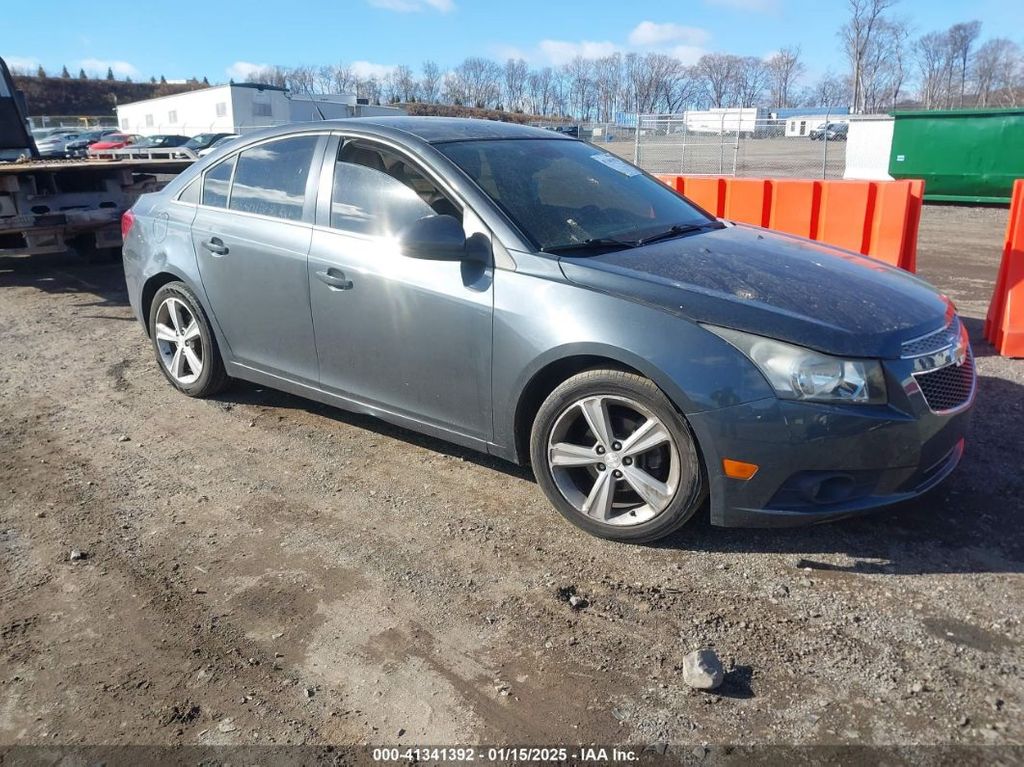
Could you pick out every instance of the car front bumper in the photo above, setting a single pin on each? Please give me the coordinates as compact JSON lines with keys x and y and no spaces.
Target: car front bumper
{"x":819,"y":462}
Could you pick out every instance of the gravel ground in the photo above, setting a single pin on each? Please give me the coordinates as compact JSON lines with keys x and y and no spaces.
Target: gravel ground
{"x":259,"y":569}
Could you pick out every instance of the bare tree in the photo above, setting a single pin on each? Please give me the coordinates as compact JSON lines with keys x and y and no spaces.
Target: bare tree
{"x":997,"y":68}
{"x":783,"y":70}
{"x":479,"y":79}
{"x":430,"y":82}
{"x":405,"y":84}
{"x":516,"y":71}
{"x":931,"y":53}
{"x":961,"y":39}
{"x":607,"y":85}
{"x":720,"y":72}
{"x":830,"y":90}
{"x":856,"y":35}
{"x":539,"y":90}
{"x":751,"y":81}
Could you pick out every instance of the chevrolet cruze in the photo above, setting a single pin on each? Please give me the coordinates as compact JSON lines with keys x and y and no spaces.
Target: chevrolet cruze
{"x":528,"y":295}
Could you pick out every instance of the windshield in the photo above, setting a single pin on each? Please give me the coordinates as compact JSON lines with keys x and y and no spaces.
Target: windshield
{"x":200,"y":141}
{"x":563,"y":194}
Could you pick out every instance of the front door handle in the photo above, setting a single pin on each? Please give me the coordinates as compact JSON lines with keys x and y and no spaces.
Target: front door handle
{"x":335,"y":279}
{"x":216,"y":245}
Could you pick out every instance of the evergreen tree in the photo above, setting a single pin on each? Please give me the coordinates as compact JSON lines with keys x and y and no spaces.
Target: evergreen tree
{"x":152,"y":80}
{"x":65,"y":73}
{"x":110,"y":73}
{"x":163,"y":80}
{"x":205,"y":81}
{"x":82,"y":75}
{"x":40,"y":72}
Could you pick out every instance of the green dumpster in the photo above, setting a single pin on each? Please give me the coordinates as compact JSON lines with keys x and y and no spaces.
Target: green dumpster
{"x":963,"y":155}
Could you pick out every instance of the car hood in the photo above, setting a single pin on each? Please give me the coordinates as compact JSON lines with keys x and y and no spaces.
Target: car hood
{"x":773,"y":285}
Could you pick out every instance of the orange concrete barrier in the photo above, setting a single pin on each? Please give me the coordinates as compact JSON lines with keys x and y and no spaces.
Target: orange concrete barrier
{"x":1004,"y":325}
{"x":876,"y":218}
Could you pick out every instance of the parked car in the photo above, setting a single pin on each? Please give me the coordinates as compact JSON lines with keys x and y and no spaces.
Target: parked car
{"x":830,"y":132}
{"x":534,"y":297}
{"x":161,"y":141}
{"x":78,"y":147}
{"x":41,"y":134}
{"x":55,"y":145}
{"x":204,"y":140}
{"x":217,"y":144}
{"x":113,"y":141}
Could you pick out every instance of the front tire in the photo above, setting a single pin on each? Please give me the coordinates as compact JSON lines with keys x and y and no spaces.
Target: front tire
{"x":186,"y":349}
{"x":615,"y":458}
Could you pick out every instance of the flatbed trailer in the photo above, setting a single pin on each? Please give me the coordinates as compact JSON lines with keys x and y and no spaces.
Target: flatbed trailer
{"x":50,"y":206}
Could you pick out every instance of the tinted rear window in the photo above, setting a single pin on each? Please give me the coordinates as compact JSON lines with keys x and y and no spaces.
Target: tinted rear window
{"x":271,"y":178}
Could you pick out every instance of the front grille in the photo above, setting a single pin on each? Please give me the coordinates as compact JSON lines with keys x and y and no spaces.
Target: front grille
{"x":941,"y":339}
{"x":950,"y":387}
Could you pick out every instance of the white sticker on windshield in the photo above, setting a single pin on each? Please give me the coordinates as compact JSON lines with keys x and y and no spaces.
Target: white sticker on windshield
{"x":615,"y":163}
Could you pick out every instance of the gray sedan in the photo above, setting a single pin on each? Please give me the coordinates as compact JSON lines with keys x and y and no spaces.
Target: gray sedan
{"x":531,"y":296}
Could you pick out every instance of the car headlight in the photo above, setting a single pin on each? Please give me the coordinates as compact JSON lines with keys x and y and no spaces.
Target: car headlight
{"x":798,"y":373}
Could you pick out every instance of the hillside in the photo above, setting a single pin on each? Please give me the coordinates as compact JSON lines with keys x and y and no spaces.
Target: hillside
{"x":71,"y":96}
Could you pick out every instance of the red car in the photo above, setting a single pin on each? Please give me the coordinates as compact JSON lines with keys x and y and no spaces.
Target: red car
{"x":113,"y":141}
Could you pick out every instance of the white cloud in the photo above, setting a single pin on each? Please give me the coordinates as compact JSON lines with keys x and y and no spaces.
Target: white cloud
{"x":414,"y":6}
{"x":650,"y":34}
{"x":22,"y":63}
{"x":684,"y":43}
{"x":368,"y":69}
{"x":563,"y":51}
{"x":100,"y":67}
{"x":241,"y":70}
{"x":688,"y":54}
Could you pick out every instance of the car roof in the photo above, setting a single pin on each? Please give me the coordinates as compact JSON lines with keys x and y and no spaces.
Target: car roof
{"x":436,"y":130}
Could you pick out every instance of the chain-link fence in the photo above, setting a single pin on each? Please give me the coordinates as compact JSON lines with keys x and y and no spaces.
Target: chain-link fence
{"x":85,"y":122}
{"x":733,"y":144}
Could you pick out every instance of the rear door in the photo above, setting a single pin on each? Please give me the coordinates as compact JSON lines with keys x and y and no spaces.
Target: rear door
{"x":251,"y":234}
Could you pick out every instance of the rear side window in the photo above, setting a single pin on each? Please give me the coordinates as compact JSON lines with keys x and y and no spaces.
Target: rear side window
{"x":271,"y":178}
{"x":217,"y":183}
{"x":190,"y":194}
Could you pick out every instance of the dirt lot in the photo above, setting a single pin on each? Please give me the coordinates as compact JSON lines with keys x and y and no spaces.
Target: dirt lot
{"x":260,"y":569}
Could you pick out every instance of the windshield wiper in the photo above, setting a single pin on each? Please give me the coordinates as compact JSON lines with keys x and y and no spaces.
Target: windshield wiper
{"x":675,"y":230}
{"x":594,"y":243}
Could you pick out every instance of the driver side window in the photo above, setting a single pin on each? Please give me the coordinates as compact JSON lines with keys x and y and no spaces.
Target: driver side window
{"x":377,"y":192}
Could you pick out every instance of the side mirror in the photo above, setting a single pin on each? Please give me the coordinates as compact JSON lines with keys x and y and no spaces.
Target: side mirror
{"x":434,"y":238}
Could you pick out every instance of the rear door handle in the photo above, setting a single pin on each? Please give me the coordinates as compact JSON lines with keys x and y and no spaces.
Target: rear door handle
{"x":334,"y":278}
{"x":216,"y":245}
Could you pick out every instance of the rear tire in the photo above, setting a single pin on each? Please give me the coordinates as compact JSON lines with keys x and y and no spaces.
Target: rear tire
{"x":616,"y":458}
{"x":186,"y":349}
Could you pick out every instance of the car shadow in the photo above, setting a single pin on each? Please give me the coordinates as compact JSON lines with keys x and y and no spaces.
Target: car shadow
{"x":971,"y":523}
{"x":244,"y":393}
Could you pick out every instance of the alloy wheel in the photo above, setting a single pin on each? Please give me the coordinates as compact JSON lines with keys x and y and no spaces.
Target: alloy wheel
{"x":179,"y":341}
{"x":613,"y":460}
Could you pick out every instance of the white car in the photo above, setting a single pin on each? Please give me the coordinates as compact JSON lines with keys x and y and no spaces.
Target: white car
{"x":217,"y":144}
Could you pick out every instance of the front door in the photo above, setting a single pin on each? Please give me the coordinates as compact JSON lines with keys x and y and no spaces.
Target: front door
{"x":409,"y":336}
{"x":252,"y":234}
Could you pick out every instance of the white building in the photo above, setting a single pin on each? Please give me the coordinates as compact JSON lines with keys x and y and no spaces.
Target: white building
{"x":868,"y":146}
{"x":237,"y":108}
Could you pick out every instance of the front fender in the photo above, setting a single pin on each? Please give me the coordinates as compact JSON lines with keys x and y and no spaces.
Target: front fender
{"x":539,"y":321}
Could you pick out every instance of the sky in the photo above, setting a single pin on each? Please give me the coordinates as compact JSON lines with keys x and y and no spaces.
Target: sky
{"x":222,"y":40}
